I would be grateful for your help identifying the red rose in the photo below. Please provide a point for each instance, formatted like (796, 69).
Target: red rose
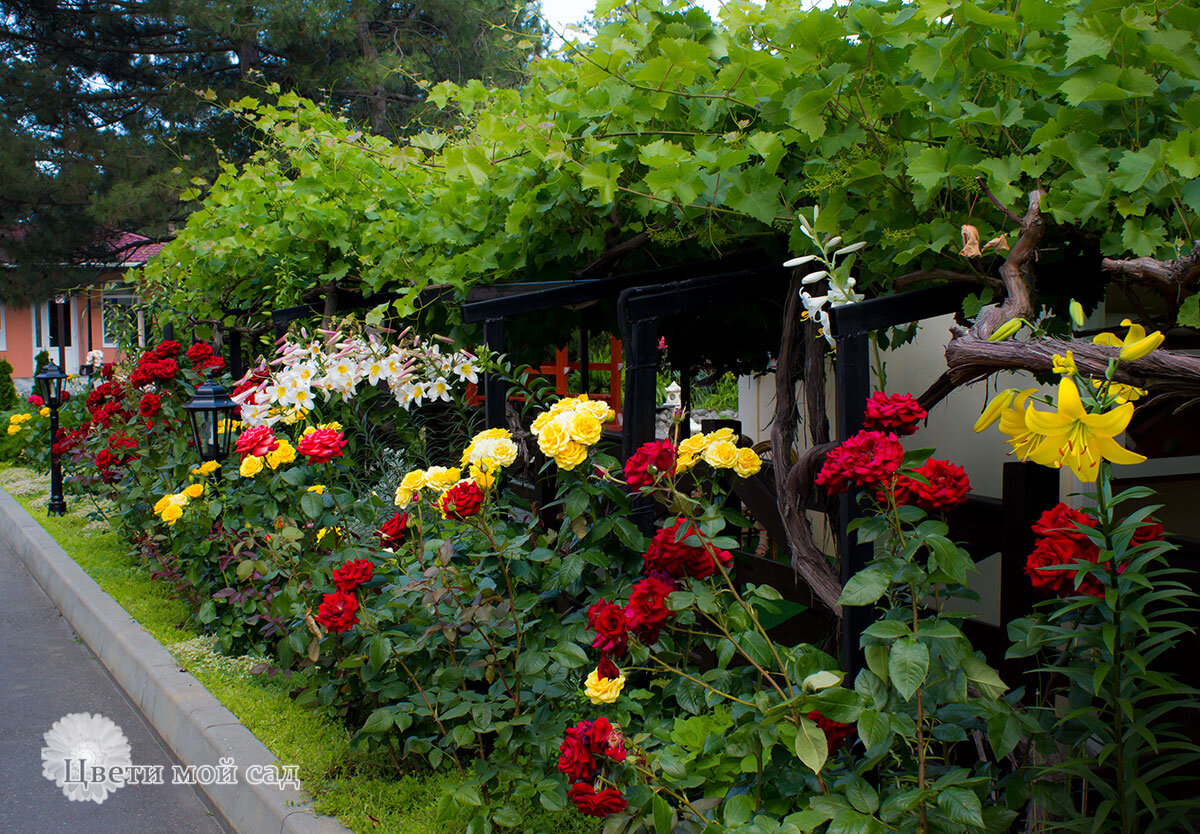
(669, 554)
(36, 401)
(321, 446)
(869, 458)
(836, 732)
(199, 352)
(1051, 551)
(897, 413)
(606, 669)
(352, 574)
(608, 621)
(948, 485)
(1150, 531)
(595, 803)
(149, 405)
(165, 349)
(653, 459)
(647, 610)
(575, 754)
(257, 441)
(392, 533)
(338, 611)
(1062, 521)
(461, 501)
(108, 370)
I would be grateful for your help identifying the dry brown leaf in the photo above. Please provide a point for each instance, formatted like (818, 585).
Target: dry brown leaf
(999, 243)
(970, 236)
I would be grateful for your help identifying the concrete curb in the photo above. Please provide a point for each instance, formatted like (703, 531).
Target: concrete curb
(193, 723)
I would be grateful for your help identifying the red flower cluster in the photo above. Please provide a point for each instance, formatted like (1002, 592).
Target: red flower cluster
(149, 405)
(948, 485)
(116, 454)
(669, 554)
(203, 358)
(156, 365)
(869, 458)
(106, 402)
(338, 612)
(352, 574)
(321, 446)
(835, 732)
(65, 440)
(653, 459)
(586, 745)
(611, 627)
(36, 401)
(647, 611)
(392, 533)
(1060, 541)
(596, 803)
(257, 441)
(461, 501)
(897, 413)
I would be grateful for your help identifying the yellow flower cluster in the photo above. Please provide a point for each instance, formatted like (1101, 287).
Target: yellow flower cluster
(1136, 343)
(1071, 436)
(319, 489)
(437, 478)
(488, 452)
(285, 452)
(602, 690)
(16, 421)
(570, 426)
(251, 466)
(170, 507)
(205, 469)
(334, 426)
(44, 411)
(719, 450)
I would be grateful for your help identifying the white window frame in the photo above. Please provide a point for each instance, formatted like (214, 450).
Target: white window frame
(3, 328)
(130, 294)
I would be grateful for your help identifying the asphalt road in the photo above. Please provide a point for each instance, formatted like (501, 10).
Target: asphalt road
(46, 673)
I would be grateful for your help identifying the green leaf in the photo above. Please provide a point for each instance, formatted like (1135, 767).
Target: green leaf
(738, 809)
(961, 805)
(983, 676)
(379, 721)
(908, 665)
(569, 655)
(874, 728)
(601, 177)
(811, 746)
(864, 588)
(664, 817)
(312, 504)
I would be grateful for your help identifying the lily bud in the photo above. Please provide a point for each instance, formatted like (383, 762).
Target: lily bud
(1077, 313)
(1009, 328)
(992, 413)
(1141, 347)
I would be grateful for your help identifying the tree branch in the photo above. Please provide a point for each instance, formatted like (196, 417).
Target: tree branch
(1017, 272)
(1180, 273)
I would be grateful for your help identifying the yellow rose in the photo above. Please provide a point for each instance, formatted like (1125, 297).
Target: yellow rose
(16, 418)
(161, 504)
(294, 415)
(285, 452)
(172, 513)
(441, 478)
(571, 456)
(403, 497)
(598, 409)
(484, 473)
(553, 438)
(603, 690)
(193, 490)
(209, 467)
(719, 435)
(414, 480)
(748, 463)
(584, 428)
(721, 455)
(540, 421)
(44, 411)
(14, 428)
(333, 426)
(319, 489)
(251, 466)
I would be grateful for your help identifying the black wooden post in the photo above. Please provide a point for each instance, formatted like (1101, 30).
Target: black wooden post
(60, 305)
(1029, 490)
(852, 378)
(235, 353)
(641, 377)
(585, 362)
(495, 389)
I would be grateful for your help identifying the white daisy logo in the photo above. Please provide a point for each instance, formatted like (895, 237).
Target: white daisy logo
(80, 747)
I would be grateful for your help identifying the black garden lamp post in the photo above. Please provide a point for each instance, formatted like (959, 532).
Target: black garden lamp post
(50, 383)
(211, 413)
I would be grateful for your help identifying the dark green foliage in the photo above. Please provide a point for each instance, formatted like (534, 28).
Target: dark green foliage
(8, 391)
(110, 108)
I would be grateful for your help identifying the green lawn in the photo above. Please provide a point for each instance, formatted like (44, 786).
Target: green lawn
(366, 795)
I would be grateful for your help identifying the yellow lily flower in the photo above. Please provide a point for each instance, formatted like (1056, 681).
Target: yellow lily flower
(1122, 392)
(1136, 343)
(1064, 365)
(1021, 437)
(1078, 439)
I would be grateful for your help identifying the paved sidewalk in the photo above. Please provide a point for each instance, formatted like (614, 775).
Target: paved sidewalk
(46, 672)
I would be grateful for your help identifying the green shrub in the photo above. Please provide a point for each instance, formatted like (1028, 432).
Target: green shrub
(8, 391)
